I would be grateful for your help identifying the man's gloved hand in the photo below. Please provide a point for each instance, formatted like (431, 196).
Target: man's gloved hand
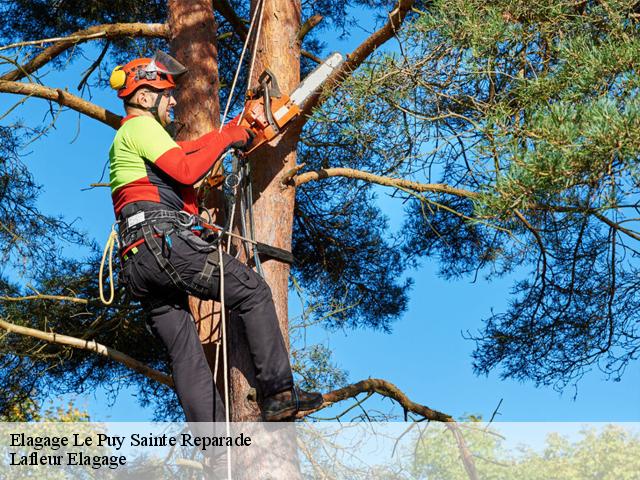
(245, 143)
(247, 146)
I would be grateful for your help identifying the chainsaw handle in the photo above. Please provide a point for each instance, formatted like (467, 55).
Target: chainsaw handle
(268, 77)
(266, 94)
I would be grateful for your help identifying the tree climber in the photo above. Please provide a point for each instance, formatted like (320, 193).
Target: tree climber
(164, 260)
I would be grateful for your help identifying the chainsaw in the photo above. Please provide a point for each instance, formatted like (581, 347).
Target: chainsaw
(268, 111)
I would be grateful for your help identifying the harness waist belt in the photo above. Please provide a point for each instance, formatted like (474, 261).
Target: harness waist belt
(130, 228)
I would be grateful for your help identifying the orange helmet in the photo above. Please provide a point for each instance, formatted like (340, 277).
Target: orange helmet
(157, 72)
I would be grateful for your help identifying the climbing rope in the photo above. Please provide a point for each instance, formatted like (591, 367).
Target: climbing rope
(112, 241)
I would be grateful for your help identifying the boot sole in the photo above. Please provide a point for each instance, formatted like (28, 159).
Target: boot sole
(289, 412)
(280, 414)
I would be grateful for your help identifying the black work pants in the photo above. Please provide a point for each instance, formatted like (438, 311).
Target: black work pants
(245, 292)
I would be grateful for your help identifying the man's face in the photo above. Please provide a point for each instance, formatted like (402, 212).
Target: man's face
(148, 98)
(165, 109)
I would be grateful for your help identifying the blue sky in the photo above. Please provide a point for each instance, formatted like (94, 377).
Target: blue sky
(425, 355)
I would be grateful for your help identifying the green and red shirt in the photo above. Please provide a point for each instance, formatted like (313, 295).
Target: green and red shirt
(146, 164)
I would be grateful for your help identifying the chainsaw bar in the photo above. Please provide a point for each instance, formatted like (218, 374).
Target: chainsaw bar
(314, 80)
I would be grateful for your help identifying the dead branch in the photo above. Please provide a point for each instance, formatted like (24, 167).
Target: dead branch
(388, 389)
(361, 53)
(63, 98)
(92, 346)
(108, 31)
(297, 180)
(465, 453)
(94, 65)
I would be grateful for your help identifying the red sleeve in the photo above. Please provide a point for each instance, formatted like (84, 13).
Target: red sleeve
(191, 146)
(188, 167)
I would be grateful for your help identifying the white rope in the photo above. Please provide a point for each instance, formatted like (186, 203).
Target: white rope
(225, 365)
(220, 257)
(260, 5)
(255, 49)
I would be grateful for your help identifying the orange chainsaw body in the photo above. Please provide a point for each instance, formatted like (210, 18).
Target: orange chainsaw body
(255, 118)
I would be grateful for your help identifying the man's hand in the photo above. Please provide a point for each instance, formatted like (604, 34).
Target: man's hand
(243, 135)
(247, 145)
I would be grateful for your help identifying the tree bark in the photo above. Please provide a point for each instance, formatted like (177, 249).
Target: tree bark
(194, 44)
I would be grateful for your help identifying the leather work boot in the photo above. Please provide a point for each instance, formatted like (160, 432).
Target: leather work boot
(286, 404)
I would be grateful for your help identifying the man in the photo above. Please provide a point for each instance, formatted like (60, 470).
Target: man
(164, 261)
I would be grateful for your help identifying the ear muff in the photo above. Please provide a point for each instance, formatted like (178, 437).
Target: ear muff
(118, 78)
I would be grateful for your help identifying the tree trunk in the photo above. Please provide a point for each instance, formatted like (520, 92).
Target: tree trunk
(279, 51)
(193, 43)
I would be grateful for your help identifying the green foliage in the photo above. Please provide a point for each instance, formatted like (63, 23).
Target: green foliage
(531, 109)
(27, 237)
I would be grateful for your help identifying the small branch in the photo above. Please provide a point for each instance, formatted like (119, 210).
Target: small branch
(63, 98)
(308, 26)
(288, 176)
(495, 412)
(311, 56)
(616, 226)
(360, 54)
(60, 298)
(94, 65)
(92, 346)
(42, 41)
(108, 31)
(380, 180)
(224, 8)
(465, 453)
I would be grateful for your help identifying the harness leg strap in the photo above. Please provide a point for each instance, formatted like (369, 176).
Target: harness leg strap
(203, 280)
(154, 246)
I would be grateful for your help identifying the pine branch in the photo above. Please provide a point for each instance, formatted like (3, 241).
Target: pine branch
(63, 98)
(92, 346)
(360, 54)
(386, 389)
(61, 44)
(296, 180)
(309, 25)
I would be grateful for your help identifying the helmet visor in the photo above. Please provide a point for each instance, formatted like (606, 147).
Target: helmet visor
(165, 63)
